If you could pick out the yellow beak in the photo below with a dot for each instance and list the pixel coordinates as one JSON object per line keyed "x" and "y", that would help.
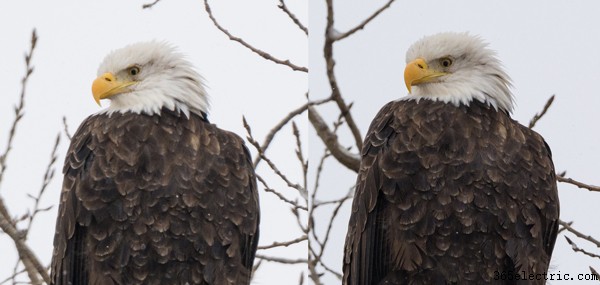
{"x": 417, "y": 72}
{"x": 106, "y": 86}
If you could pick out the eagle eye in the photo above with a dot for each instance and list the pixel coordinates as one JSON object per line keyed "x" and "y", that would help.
{"x": 134, "y": 70}
{"x": 446, "y": 62}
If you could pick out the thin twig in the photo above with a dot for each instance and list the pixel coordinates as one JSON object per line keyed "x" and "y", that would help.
{"x": 293, "y": 17}
{"x": 19, "y": 108}
{"x": 281, "y": 259}
{"x": 294, "y": 204}
{"x": 345, "y": 157}
{"x": 284, "y": 244}
{"x": 298, "y": 111}
{"x": 31, "y": 263}
{"x": 315, "y": 261}
{"x": 578, "y": 233}
{"x": 272, "y": 165}
{"x": 320, "y": 167}
{"x": 48, "y": 175}
{"x": 577, "y": 183}
{"x": 150, "y": 5}
{"x": 300, "y": 155}
{"x": 260, "y": 52}
{"x": 301, "y": 224}
{"x": 337, "y": 208}
{"x": 575, "y": 248}
{"x": 538, "y": 116}
{"x": 66, "y": 127}
{"x": 595, "y": 272}
{"x": 363, "y": 23}
{"x": 12, "y": 277}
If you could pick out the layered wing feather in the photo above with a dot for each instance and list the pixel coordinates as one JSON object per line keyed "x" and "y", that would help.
{"x": 450, "y": 195}
{"x": 161, "y": 199}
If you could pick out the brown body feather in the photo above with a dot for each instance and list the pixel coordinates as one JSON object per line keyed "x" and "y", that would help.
{"x": 451, "y": 195}
{"x": 161, "y": 199}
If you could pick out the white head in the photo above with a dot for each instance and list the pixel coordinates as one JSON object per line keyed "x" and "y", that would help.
{"x": 456, "y": 68}
{"x": 147, "y": 76}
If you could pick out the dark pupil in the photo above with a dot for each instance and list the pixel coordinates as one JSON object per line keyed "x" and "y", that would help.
{"x": 133, "y": 71}
{"x": 446, "y": 63}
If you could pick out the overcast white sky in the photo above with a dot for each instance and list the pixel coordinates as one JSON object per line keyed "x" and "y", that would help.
{"x": 547, "y": 47}
{"x": 74, "y": 36}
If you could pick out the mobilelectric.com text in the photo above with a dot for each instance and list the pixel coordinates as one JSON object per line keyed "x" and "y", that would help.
{"x": 522, "y": 275}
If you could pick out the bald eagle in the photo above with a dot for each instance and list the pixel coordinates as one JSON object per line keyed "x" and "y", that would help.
{"x": 153, "y": 193}
{"x": 451, "y": 189}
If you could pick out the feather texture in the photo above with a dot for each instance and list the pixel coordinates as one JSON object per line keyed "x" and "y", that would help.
{"x": 156, "y": 199}
{"x": 450, "y": 195}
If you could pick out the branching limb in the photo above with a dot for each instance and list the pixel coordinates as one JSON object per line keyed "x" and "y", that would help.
{"x": 303, "y": 192}
{"x": 48, "y": 175}
{"x": 260, "y": 52}
{"x": 363, "y": 23}
{"x": 12, "y": 277}
{"x": 31, "y": 263}
{"x": 298, "y": 111}
{"x": 19, "y": 108}
{"x": 336, "y": 95}
{"x": 579, "y": 234}
{"x": 294, "y": 204}
{"x": 345, "y": 157}
{"x": 578, "y": 249}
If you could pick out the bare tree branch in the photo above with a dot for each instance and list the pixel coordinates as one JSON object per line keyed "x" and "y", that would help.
{"x": 31, "y": 263}
{"x": 293, "y": 17}
{"x": 300, "y": 155}
{"x": 298, "y": 111}
{"x": 294, "y": 204}
{"x": 19, "y": 108}
{"x": 303, "y": 192}
{"x": 260, "y": 52}
{"x": 538, "y": 116}
{"x": 28, "y": 258}
{"x": 12, "y": 277}
{"x": 150, "y": 5}
{"x": 48, "y": 175}
{"x": 345, "y": 157}
{"x": 577, "y": 183}
{"x": 336, "y": 95}
{"x": 284, "y": 244}
{"x": 281, "y": 260}
{"x": 66, "y": 128}
{"x": 579, "y": 234}
{"x": 363, "y": 23}
{"x": 578, "y": 249}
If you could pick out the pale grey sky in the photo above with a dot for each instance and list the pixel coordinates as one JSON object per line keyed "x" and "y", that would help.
{"x": 547, "y": 47}
{"x": 74, "y": 36}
